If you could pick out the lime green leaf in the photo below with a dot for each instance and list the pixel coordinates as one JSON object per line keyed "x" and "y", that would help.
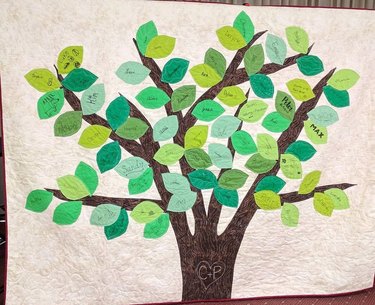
{"x": 243, "y": 143}
{"x": 117, "y": 112}
{"x": 42, "y": 80}
{"x": 119, "y": 227}
{"x": 216, "y": 60}
{"x": 289, "y": 215}
{"x": 267, "y": 146}
{"x": 232, "y": 96}
{"x": 146, "y": 32}
{"x": 166, "y": 128}
{"x": 68, "y": 124}
{"x": 152, "y": 98}
{"x": 323, "y": 204}
{"x": 93, "y": 99}
{"x": 337, "y": 98}
{"x": 132, "y": 72}
{"x": 50, "y": 104}
{"x": 182, "y": 202}
{"x": 259, "y": 165}
{"x": 252, "y": 111}
{"x": 79, "y": 79}
{"x": 226, "y": 197}
{"x": 285, "y": 105}
{"x": 298, "y": 39}
{"x": 108, "y": 156}
{"x": 300, "y": 89}
{"x": 323, "y": 116}
{"x": 254, "y": 59}
{"x": 174, "y": 70}
{"x": 183, "y": 97}
{"x": 175, "y": 183}
{"x": 160, "y": 46}
{"x": 316, "y": 134}
{"x": 208, "y": 110}
{"x": 301, "y": 149}
{"x": 275, "y": 49}
{"x": 72, "y": 187}
{"x": 267, "y": 200}
{"x": 230, "y": 38}
{"x": 290, "y": 166}
{"x": 233, "y": 179}
{"x": 146, "y": 211}
{"x": 204, "y": 75}
{"x": 169, "y": 154}
{"x": 339, "y": 198}
{"x": 157, "y": 228}
{"x": 196, "y": 136}
{"x": 69, "y": 58}
{"x": 88, "y": 176}
{"x": 262, "y": 85}
{"x": 309, "y": 182}
{"x": 245, "y": 26}
{"x": 38, "y": 200}
{"x": 105, "y": 214}
{"x": 310, "y": 65}
{"x": 224, "y": 126}
{"x": 94, "y": 136}
{"x": 142, "y": 183}
{"x": 270, "y": 183}
{"x": 132, "y": 129}
{"x": 202, "y": 179}
{"x": 197, "y": 158}
{"x": 343, "y": 79}
{"x": 131, "y": 168}
{"x": 275, "y": 122}
{"x": 67, "y": 213}
{"x": 220, "y": 155}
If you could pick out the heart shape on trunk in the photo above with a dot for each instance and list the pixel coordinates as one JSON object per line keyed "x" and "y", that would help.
{"x": 210, "y": 273}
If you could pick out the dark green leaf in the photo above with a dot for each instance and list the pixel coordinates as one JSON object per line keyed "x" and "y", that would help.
{"x": 262, "y": 85}
{"x": 68, "y": 124}
{"x": 183, "y": 97}
{"x": 108, "y": 156}
{"x": 117, "y": 112}
{"x": 301, "y": 149}
{"x": 174, "y": 70}
{"x": 78, "y": 80}
{"x": 226, "y": 197}
{"x": 254, "y": 59}
{"x": 337, "y": 98}
{"x": 132, "y": 129}
{"x": 202, "y": 179}
{"x": 119, "y": 227}
{"x": 310, "y": 65}
{"x": 215, "y": 60}
{"x": 271, "y": 183}
{"x": 285, "y": 105}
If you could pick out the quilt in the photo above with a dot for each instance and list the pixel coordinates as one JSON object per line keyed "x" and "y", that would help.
{"x": 167, "y": 152}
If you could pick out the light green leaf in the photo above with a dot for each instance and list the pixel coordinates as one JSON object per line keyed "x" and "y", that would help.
{"x": 337, "y": 98}
{"x": 197, "y": 158}
{"x": 38, "y": 200}
{"x": 323, "y": 204}
{"x": 285, "y": 105}
{"x": 232, "y": 96}
{"x": 220, "y": 155}
{"x": 174, "y": 70}
{"x": 152, "y": 98}
{"x": 160, "y": 46}
{"x": 175, "y": 183}
{"x": 224, "y": 126}
{"x": 275, "y": 122}
{"x": 132, "y": 72}
{"x": 165, "y": 129}
{"x": 94, "y": 136}
{"x": 108, "y": 156}
{"x": 267, "y": 200}
{"x": 132, "y": 129}
{"x": 316, "y": 134}
{"x": 146, "y": 211}
{"x": 323, "y": 116}
{"x": 275, "y": 49}
{"x": 226, "y": 197}
{"x": 290, "y": 166}
{"x": 157, "y": 228}
{"x": 182, "y": 202}
{"x": 42, "y": 80}
{"x": 131, "y": 168}
{"x": 233, "y": 179}
{"x": 146, "y": 32}
{"x": 117, "y": 112}
{"x": 105, "y": 214}
{"x": 245, "y": 26}
{"x": 343, "y": 79}
{"x": 93, "y": 99}
{"x": 68, "y": 124}
{"x": 88, "y": 176}
{"x": 196, "y": 136}
{"x": 298, "y": 39}
{"x": 230, "y": 38}
{"x": 69, "y": 58}
{"x": 79, "y": 79}
{"x": 204, "y": 75}
{"x": 216, "y": 60}
{"x": 208, "y": 110}
{"x": 119, "y": 227}
{"x": 301, "y": 149}
{"x": 339, "y": 198}
{"x": 310, "y": 65}
{"x": 259, "y": 165}
{"x": 254, "y": 59}
{"x": 169, "y": 154}
{"x": 50, "y": 104}
{"x": 300, "y": 89}
{"x": 262, "y": 85}
{"x": 289, "y": 215}
{"x": 252, "y": 111}
{"x": 183, "y": 97}
{"x": 142, "y": 183}
{"x": 67, "y": 213}
{"x": 72, "y": 187}
{"x": 202, "y": 179}
{"x": 267, "y": 146}
{"x": 309, "y": 182}
{"x": 271, "y": 183}
{"x": 243, "y": 143}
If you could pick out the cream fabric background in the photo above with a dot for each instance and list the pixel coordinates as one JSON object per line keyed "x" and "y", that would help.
{"x": 50, "y": 264}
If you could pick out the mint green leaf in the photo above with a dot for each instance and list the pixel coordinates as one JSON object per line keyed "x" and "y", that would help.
{"x": 131, "y": 168}
{"x": 50, "y": 104}
{"x": 67, "y": 213}
{"x": 132, "y": 72}
{"x": 275, "y": 49}
{"x": 157, "y": 228}
{"x": 119, "y": 227}
{"x": 93, "y": 99}
{"x": 220, "y": 155}
{"x": 182, "y": 202}
{"x": 79, "y": 79}
{"x": 226, "y": 197}
{"x": 202, "y": 179}
{"x": 323, "y": 116}
{"x": 88, "y": 176}
{"x": 38, "y": 200}
{"x": 224, "y": 126}
{"x": 105, "y": 214}
{"x": 166, "y": 128}
{"x": 175, "y": 183}
{"x": 152, "y": 98}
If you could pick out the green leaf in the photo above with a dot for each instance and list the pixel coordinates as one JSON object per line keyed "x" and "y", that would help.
{"x": 94, "y": 136}
{"x": 196, "y": 136}
{"x": 275, "y": 122}
{"x": 224, "y": 126}
{"x": 343, "y": 79}
{"x": 262, "y": 85}
{"x": 142, "y": 183}
{"x": 290, "y": 166}
{"x": 267, "y": 146}
{"x": 339, "y": 198}
{"x": 169, "y": 154}
{"x": 208, "y": 110}
{"x": 197, "y": 158}
{"x": 316, "y": 134}
{"x": 119, "y": 227}
{"x": 300, "y": 89}
{"x": 267, "y": 200}
{"x": 67, "y": 213}
{"x": 309, "y": 182}
{"x": 243, "y": 143}
{"x": 132, "y": 72}
{"x": 252, "y": 111}
{"x": 38, "y": 200}
{"x": 117, "y": 112}
{"x": 230, "y": 38}
{"x": 160, "y": 46}
{"x": 132, "y": 129}
{"x": 146, "y": 211}
{"x": 220, "y": 155}
{"x": 42, "y": 80}
{"x": 108, "y": 156}
{"x": 202, "y": 179}
{"x": 157, "y": 228}
{"x": 337, "y": 98}
{"x": 215, "y": 60}
{"x": 259, "y": 165}
{"x": 254, "y": 59}
{"x": 175, "y": 183}
{"x": 146, "y": 32}
{"x": 88, "y": 176}
{"x": 233, "y": 179}
{"x": 68, "y": 124}
{"x": 183, "y": 97}
{"x": 245, "y": 26}
{"x": 310, "y": 65}
{"x": 232, "y": 96}
{"x": 204, "y": 75}
{"x": 298, "y": 39}
{"x": 275, "y": 49}
{"x": 69, "y": 58}
{"x": 301, "y": 149}
{"x": 270, "y": 183}
{"x": 50, "y": 104}
{"x": 166, "y": 128}
{"x": 131, "y": 168}
{"x": 323, "y": 204}
{"x": 72, "y": 187}
{"x": 93, "y": 99}
{"x": 285, "y": 105}
{"x": 182, "y": 202}
{"x": 226, "y": 197}
{"x": 79, "y": 79}
{"x": 323, "y": 116}
{"x": 174, "y": 70}
{"x": 289, "y": 215}
{"x": 105, "y": 215}
{"x": 152, "y": 98}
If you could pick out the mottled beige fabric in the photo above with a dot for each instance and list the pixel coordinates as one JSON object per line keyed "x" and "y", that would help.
{"x": 50, "y": 264}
